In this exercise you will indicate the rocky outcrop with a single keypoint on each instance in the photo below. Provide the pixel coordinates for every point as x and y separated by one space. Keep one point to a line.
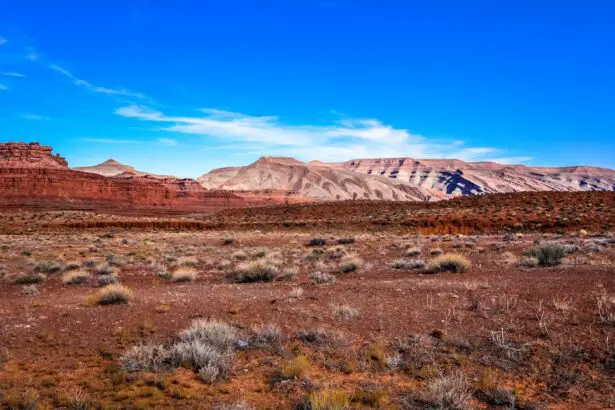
32 155
112 168
405 178
311 181
31 176
455 178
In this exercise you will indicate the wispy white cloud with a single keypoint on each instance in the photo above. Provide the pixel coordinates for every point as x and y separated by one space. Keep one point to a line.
109 141
3 41
3 87
32 56
343 139
34 117
167 141
95 88
12 74
511 160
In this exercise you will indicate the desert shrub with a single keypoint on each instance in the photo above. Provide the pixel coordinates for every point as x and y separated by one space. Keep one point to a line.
295 368
452 262
319 337
529 262
436 251
114 260
413 251
206 347
491 390
547 255
345 312
72 266
29 290
289 272
214 333
48 266
104 269
112 294
266 336
145 358
29 278
184 274
329 399
105 280
406 265
315 254
228 241
345 241
321 278
239 255
605 305
256 271
350 263
75 399
259 253
317 242
375 398
450 392
90 263
199 355
75 277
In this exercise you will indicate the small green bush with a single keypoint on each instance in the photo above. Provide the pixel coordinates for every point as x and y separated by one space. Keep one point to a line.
547 255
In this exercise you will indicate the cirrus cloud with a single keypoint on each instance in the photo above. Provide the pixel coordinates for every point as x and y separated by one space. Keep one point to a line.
341 140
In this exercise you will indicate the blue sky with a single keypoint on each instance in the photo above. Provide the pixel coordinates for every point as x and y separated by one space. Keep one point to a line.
182 87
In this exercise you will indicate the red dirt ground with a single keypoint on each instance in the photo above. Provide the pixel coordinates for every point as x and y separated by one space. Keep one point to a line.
54 345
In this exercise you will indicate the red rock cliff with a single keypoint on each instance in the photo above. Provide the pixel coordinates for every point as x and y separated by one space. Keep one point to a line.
31 176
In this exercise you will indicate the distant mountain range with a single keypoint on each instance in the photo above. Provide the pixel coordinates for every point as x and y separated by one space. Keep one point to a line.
31 175
404 178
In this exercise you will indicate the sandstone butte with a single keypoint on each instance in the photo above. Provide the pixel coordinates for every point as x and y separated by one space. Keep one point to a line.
32 177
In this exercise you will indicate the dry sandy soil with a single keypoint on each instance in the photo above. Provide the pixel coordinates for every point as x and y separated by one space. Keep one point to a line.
499 335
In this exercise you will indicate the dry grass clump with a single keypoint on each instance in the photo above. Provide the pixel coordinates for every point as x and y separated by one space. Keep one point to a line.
266 336
345 312
112 294
29 278
296 367
529 262
255 271
47 266
412 252
320 337
345 241
75 277
184 274
317 242
606 309
104 280
407 265
350 263
450 392
547 255
452 262
239 255
104 269
258 253
206 347
320 278
29 290
436 251
217 334
329 399
145 358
